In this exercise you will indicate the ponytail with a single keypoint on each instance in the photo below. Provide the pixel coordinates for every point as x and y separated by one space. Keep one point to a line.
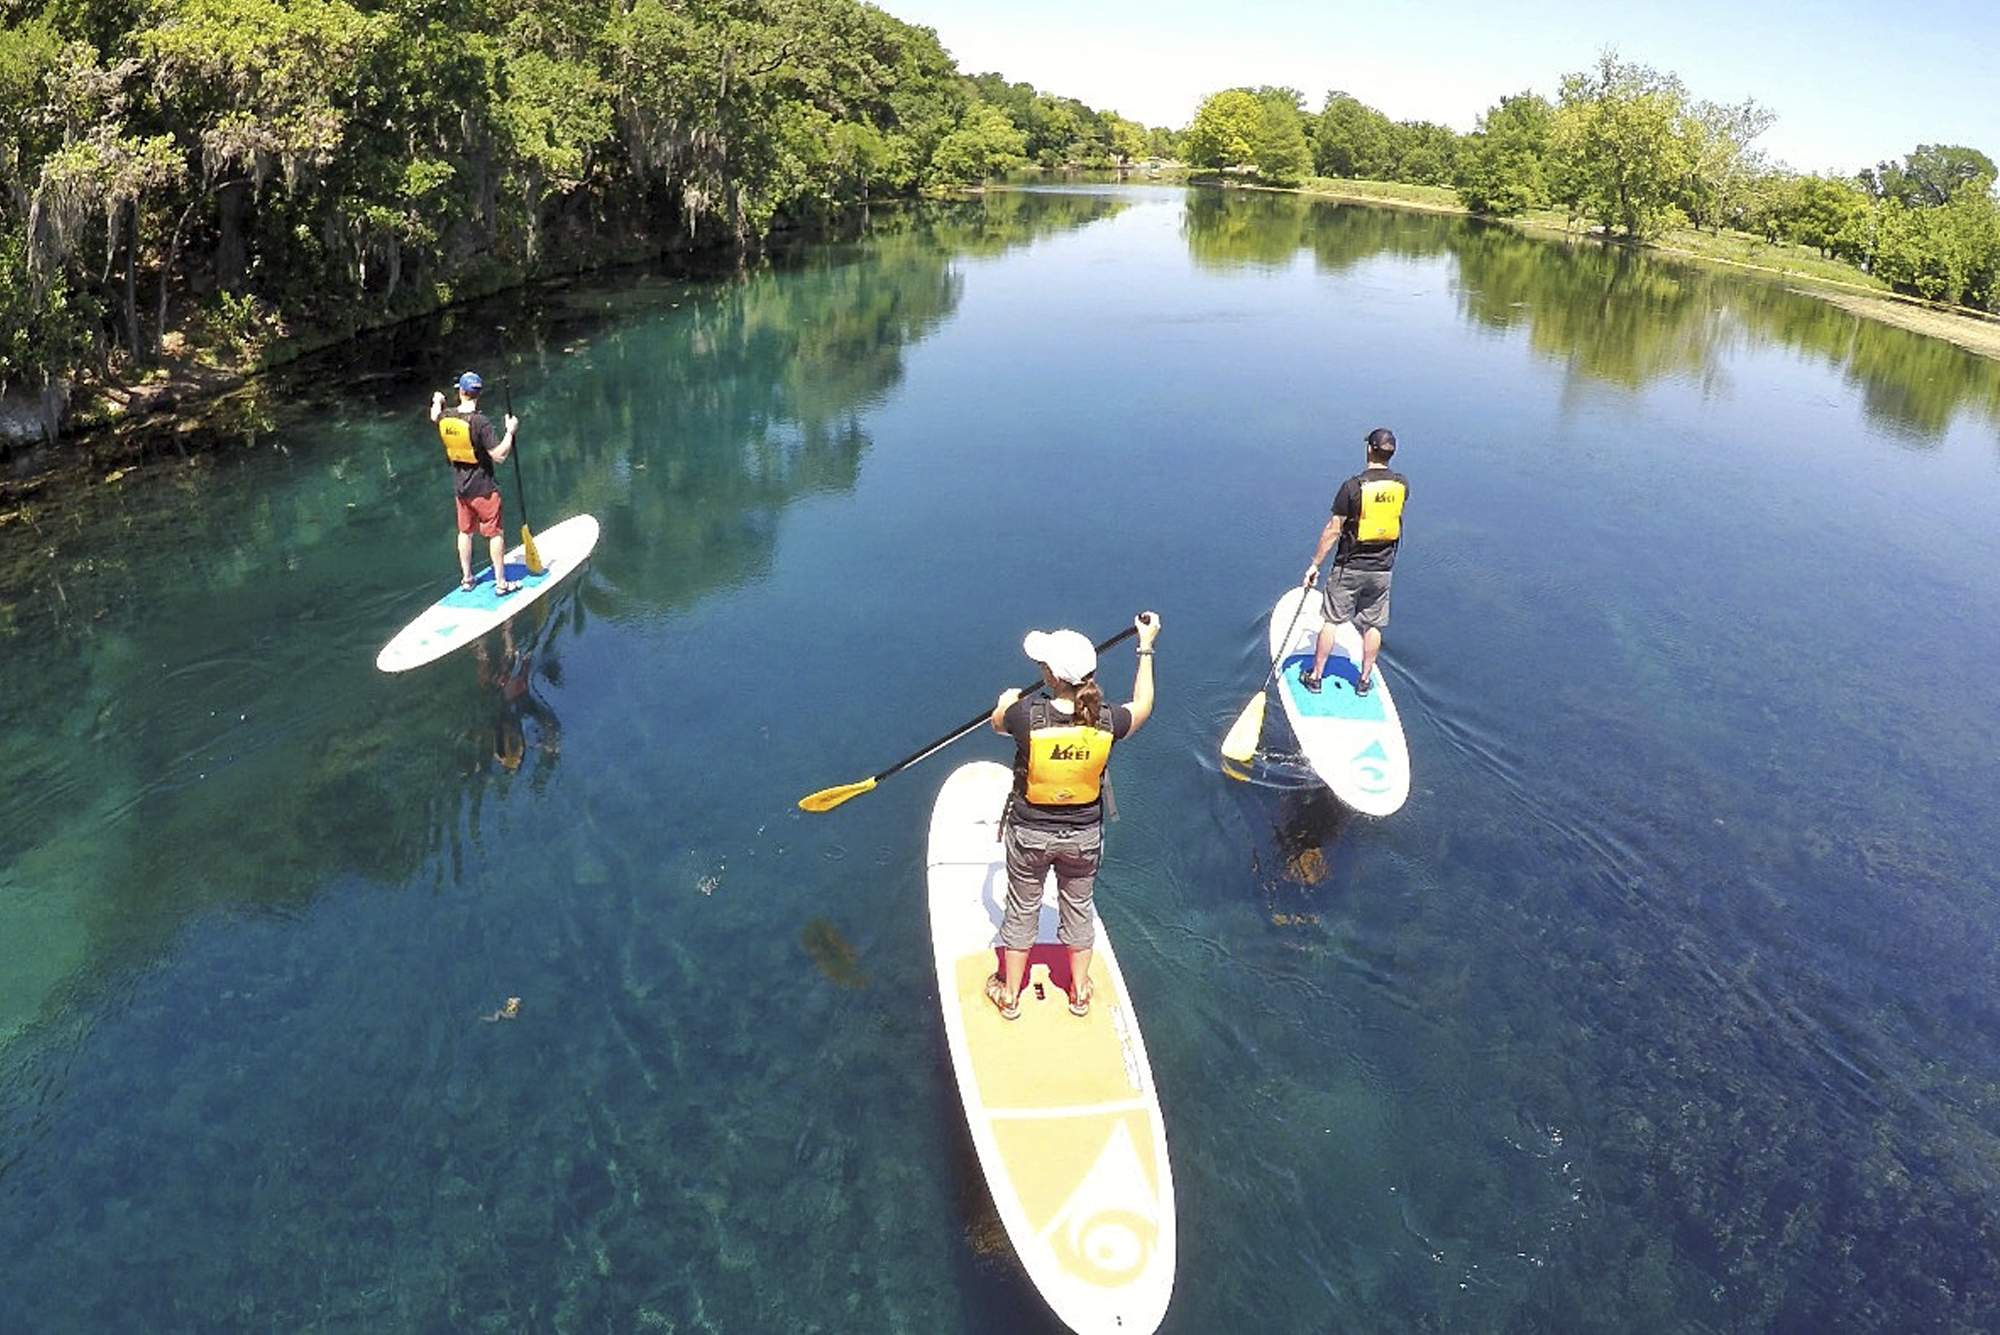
1089 703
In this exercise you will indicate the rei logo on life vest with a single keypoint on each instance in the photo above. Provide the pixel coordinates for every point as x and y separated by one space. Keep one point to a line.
456 433
1381 518
1066 764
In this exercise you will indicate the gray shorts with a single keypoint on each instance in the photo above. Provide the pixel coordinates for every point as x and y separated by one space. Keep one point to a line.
1360 596
1074 854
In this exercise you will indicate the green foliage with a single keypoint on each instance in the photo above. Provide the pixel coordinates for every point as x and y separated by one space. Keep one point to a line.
1352 139
985 144
1619 156
1949 253
1930 175
1225 130
1280 151
1503 165
333 157
44 329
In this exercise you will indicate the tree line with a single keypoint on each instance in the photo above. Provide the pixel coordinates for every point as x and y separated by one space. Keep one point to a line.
1628 149
207 175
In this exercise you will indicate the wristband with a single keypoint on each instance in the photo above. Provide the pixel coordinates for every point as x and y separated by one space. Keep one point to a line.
1145 653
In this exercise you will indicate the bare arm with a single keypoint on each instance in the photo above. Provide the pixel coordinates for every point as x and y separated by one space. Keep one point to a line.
1141 707
500 452
1328 536
437 405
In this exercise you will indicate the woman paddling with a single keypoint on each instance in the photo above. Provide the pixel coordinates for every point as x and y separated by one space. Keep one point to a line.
1055 817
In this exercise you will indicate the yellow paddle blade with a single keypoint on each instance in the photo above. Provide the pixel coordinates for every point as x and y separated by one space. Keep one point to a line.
1241 743
826 799
528 552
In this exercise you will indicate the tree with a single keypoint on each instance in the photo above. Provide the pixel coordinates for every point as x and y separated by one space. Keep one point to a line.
1618 154
985 144
1422 153
1352 139
1128 138
1716 140
1930 175
1503 164
1280 150
1225 130
1827 213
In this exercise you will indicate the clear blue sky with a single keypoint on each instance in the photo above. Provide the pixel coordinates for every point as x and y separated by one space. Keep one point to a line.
1852 82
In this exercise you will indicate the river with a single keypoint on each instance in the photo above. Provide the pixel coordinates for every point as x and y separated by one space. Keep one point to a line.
1671 1001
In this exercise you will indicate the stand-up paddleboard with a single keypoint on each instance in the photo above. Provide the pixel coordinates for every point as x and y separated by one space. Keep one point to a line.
1354 742
463 615
1062 1109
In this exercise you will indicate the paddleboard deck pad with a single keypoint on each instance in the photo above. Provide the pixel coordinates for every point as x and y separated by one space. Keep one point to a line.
463 615
1062 1109
1353 742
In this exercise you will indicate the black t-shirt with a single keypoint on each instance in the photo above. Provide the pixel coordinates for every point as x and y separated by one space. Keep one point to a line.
1024 812
476 480
1378 495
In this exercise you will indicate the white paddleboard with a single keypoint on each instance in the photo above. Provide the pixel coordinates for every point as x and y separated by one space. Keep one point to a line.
1062 1109
463 615
1354 742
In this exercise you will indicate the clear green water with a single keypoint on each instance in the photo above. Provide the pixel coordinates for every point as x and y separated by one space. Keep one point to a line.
1668 1003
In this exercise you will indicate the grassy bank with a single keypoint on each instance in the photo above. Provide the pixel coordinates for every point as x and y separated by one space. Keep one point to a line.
1832 280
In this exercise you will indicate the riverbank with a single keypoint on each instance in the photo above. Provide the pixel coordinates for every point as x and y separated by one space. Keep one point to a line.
1832 281
210 389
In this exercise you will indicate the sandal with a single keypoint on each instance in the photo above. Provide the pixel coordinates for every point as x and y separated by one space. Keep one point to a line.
995 992
1079 1000
501 587
1365 685
1310 680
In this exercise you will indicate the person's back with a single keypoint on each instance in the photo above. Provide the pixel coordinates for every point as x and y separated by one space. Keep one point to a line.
1055 814
472 450
1365 532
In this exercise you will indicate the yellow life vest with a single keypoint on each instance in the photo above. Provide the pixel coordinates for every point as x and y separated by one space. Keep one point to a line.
1065 760
456 433
1381 517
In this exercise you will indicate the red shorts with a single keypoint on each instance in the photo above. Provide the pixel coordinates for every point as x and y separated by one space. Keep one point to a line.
480 511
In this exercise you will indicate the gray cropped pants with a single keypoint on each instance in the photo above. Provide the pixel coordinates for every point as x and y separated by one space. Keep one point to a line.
1074 854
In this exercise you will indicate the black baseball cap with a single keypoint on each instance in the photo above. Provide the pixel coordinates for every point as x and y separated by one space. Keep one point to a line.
1382 440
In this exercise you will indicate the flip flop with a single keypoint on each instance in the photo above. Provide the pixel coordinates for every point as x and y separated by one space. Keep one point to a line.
468 585
995 990
501 588
1079 1000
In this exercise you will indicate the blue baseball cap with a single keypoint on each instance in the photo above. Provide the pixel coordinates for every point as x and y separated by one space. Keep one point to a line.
470 383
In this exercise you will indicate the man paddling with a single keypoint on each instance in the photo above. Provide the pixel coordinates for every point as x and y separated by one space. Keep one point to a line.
469 444
1055 817
1367 524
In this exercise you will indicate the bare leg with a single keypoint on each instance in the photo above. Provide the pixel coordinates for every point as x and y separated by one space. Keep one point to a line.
1080 988
1371 645
1014 967
465 557
496 547
1323 648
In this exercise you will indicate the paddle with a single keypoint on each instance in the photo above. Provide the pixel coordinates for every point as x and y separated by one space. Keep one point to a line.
528 552
826 799
1240 744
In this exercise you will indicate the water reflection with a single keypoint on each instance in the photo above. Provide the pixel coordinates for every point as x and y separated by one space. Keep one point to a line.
190 722
1608 314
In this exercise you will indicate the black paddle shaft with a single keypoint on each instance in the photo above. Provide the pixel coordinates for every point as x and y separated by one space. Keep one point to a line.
985 714
520 491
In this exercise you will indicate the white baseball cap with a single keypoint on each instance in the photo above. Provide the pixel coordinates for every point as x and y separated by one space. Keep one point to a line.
1066 653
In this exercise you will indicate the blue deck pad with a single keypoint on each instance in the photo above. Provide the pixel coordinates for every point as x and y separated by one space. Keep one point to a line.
481 598
1336 698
